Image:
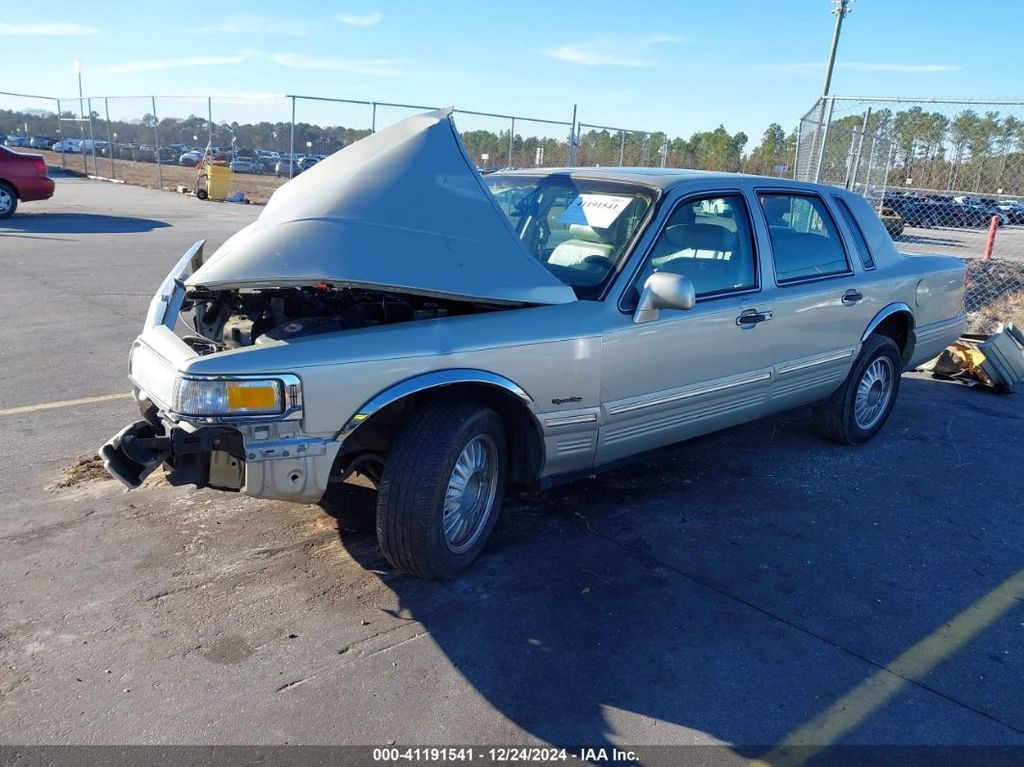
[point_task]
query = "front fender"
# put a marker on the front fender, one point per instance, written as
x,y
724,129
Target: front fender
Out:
x,y
423,382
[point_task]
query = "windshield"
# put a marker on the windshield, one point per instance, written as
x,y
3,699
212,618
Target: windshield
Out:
x,y
580,229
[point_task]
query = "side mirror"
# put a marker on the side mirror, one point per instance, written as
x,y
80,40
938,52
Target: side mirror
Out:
x,y
664,290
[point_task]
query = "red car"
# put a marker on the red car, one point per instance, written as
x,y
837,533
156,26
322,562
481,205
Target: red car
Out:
x,y
22,177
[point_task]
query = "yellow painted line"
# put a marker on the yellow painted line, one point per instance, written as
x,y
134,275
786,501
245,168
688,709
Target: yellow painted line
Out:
x,y
853,708
64,403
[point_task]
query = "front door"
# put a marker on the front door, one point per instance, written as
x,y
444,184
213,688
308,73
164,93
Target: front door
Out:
x,y
694,371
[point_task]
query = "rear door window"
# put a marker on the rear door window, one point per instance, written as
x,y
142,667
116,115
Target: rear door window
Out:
x,y
805,241
858,235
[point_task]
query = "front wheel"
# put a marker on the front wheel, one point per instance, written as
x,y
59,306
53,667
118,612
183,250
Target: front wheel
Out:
x,y
8,200
441,489
859,408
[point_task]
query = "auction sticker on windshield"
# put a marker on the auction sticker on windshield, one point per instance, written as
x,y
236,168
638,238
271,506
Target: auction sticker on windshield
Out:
x,y
598,210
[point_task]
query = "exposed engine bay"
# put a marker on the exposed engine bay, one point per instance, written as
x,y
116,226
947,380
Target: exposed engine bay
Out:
x,y
229,319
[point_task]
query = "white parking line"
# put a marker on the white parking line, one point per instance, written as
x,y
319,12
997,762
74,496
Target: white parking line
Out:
x,y
64,403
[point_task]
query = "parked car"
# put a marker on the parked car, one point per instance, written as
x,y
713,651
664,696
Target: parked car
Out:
x,y
245,165
1014,211
66,146
892,221
445,354
192,158
22,177
126,151
268,160
283,167
41,142
16,141
149,153
88,145
307,162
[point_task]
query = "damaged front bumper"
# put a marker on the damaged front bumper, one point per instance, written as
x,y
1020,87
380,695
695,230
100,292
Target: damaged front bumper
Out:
x,y
261,460
265,456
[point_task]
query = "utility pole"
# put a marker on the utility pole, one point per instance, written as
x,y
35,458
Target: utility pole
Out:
x,y
841,9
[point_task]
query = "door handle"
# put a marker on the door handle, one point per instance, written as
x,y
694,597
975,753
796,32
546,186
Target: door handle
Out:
x,y
752,317
851,297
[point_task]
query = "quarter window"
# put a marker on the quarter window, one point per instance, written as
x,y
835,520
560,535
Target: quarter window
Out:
x,y
709,241
805,242
855,230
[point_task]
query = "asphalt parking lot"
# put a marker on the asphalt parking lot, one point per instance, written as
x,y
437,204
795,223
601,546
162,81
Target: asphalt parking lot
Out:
x,y
754,588
963,243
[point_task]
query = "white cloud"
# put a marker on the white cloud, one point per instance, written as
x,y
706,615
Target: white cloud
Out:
x,y
367,20
47,30
593,56
150,65
255,25
817,67
368,67
619,53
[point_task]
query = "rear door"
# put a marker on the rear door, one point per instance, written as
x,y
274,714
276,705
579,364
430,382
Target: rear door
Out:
x,y
823,296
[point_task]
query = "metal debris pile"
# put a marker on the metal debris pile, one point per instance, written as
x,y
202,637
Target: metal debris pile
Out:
x,y
995,361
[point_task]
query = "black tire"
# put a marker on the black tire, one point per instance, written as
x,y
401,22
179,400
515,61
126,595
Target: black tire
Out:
x,y
8,200
413,489
838,417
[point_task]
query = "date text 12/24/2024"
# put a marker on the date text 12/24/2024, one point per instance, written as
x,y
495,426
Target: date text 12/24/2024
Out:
x,y
501,754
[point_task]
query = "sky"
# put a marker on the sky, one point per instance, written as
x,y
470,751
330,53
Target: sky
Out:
x,y
660,65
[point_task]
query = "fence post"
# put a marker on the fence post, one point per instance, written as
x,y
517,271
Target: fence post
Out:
x,y
291,144
110,139
511,138
622,146
373,118
990,243
885,179
209,123
60,137
824,140
871,163
860,148
92,140
796,152
571,159
156,136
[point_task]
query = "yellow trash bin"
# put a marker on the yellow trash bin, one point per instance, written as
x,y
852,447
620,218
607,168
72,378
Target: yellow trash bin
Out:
x,y
218,181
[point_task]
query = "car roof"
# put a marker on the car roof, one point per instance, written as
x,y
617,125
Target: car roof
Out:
x,y
662,178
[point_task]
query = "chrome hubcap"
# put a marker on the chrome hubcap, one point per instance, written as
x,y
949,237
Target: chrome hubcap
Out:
x,y
874,392
469,499
5,201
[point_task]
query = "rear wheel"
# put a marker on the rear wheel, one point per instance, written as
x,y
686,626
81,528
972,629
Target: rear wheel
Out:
x,y
441,489
858,410
8,200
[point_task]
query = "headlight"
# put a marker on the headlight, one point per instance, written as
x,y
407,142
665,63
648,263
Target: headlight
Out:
x,y
235,396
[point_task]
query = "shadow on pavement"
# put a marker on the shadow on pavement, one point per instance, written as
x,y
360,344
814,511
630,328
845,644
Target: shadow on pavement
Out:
x,y
735,585
77,223
917,239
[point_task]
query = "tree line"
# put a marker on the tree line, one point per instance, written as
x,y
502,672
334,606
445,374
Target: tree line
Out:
x,y
923,149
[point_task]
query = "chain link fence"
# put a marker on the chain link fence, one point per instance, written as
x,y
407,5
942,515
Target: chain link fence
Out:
x,y
946,176
604,146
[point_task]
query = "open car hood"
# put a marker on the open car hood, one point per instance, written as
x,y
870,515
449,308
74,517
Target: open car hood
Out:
x,y
402,209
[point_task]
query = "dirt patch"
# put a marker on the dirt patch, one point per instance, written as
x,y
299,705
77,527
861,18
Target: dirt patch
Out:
x,y
257,188
88,469
995,294
1006,308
